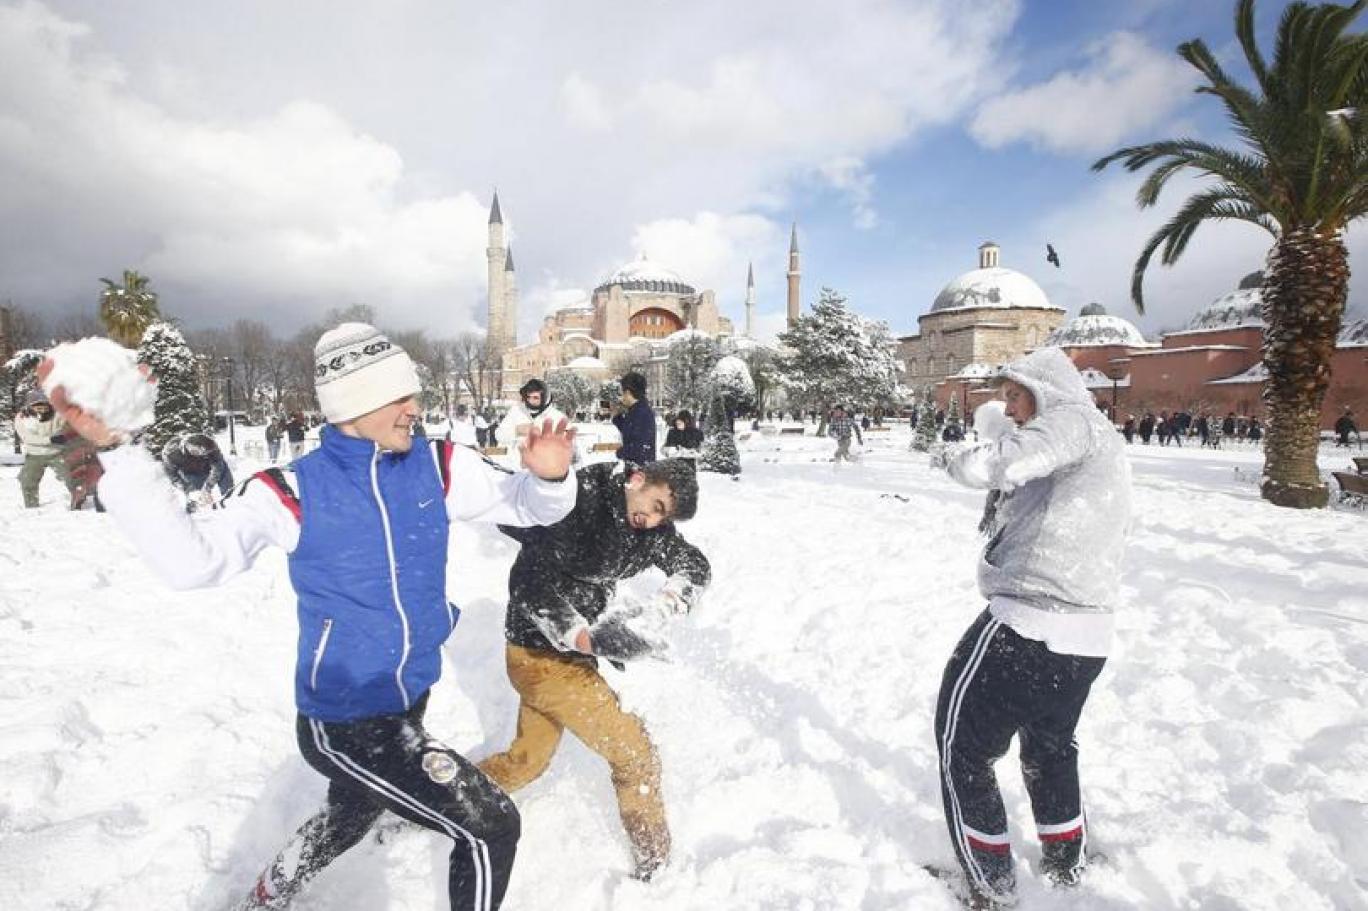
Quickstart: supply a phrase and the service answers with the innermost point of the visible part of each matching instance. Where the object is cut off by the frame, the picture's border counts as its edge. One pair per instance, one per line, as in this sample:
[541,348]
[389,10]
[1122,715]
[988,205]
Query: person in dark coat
[684,435]
[559,623]
[1146,427]
[636,423]
[195,464]
[1228,425]
[1128,428]
[1345,427]
[294,432]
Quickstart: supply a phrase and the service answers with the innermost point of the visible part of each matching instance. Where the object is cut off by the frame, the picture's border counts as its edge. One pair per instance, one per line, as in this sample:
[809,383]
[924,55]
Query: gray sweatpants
[31,475]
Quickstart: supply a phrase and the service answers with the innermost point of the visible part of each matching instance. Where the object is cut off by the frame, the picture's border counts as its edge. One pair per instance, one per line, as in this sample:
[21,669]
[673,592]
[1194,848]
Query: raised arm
[1046,444]
[199,550]
[480,491]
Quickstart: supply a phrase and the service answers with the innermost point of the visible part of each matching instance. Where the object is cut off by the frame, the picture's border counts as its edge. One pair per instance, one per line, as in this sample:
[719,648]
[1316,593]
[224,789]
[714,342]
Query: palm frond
[1244,30]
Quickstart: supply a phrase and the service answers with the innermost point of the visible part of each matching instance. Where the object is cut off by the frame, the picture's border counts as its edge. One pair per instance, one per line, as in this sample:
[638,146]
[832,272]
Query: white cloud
[1126,87]
[275,184]
[849,175]
[713,251]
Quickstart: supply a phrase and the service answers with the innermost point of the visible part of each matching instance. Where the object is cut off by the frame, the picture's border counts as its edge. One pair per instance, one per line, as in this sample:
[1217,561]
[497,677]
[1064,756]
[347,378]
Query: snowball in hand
[103,379]
[991,421]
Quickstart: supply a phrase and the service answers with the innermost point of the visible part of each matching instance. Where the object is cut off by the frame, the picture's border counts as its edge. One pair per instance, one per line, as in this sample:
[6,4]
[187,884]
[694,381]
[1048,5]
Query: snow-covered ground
[147,755]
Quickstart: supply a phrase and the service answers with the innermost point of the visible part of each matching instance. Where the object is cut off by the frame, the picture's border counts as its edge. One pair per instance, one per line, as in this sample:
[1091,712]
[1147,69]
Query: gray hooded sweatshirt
[1051,568]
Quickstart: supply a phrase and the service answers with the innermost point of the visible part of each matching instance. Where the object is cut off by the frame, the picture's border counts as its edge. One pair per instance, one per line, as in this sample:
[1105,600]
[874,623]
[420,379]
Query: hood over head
[1051,377]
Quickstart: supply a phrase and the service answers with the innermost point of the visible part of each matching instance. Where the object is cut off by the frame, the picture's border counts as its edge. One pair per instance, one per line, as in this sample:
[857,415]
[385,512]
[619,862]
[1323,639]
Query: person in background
[684,438]
[1128,429]
[1255,431]
[295,429]
[635,422]
[481,424]
[1345,427]
[83,472]
[275,429]
[195,464]
[462,430]
[40,430]
[841,427]
[1058,507]
[534,406]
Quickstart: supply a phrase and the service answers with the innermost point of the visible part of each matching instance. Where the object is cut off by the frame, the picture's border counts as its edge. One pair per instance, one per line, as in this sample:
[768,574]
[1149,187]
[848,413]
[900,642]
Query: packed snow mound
[103,378]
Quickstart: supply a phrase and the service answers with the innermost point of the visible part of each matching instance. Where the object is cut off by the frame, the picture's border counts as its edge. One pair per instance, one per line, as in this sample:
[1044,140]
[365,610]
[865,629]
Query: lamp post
[1115,378]
[232,435]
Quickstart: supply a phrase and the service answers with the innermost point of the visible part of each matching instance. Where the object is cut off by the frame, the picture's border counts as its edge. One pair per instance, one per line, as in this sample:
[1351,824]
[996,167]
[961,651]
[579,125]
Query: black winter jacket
[565,573]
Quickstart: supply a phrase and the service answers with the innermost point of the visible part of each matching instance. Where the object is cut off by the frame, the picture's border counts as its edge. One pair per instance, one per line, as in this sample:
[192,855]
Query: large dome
[994,286]
[1094,327]
[1243,307]
[644,275]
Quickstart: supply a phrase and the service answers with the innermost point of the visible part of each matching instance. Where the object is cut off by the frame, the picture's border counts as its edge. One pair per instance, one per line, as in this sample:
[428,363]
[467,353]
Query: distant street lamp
[232,435]
[1115,378]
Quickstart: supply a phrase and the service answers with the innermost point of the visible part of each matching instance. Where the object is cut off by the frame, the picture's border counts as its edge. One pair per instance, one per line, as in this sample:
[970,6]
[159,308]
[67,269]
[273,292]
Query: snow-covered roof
[587,363]
[644,275]
[991,287]
[1256,374]
[1354,334]
[1096,379]
[1158,351]
[1094,328]
[976,371]
[1239,308]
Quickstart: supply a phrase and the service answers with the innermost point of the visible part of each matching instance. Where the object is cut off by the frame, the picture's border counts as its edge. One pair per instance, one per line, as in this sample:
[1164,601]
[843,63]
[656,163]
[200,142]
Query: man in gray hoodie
[1059,506]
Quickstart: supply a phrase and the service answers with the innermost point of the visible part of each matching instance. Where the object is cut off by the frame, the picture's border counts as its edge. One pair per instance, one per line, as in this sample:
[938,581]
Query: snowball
[103,378]
[991,421]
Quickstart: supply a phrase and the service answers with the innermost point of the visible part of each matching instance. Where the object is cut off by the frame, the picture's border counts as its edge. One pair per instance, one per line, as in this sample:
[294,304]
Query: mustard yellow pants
[565,691]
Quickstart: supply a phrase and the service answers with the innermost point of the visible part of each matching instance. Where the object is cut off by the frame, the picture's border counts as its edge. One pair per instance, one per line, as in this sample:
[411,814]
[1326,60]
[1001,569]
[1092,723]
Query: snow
[1097,330]
[1242,307]
[103,378]
[147,755]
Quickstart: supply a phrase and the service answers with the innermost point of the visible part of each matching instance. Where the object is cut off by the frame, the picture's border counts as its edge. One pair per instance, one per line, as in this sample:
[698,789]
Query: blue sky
[270,162]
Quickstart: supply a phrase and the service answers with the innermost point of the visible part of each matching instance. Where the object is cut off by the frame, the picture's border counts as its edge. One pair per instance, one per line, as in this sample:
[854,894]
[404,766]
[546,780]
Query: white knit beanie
[357,370]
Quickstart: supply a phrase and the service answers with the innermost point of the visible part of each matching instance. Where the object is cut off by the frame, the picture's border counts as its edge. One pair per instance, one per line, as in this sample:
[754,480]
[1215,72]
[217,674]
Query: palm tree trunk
[1304,293]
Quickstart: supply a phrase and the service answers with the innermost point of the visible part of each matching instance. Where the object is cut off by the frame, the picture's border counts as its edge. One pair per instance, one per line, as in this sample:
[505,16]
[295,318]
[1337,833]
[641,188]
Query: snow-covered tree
[572,392]
[731,380]
[17,378]
[719,452]
[179,408]
[925,437]
[687,374]
[834,355]
[764,370]
[954,427]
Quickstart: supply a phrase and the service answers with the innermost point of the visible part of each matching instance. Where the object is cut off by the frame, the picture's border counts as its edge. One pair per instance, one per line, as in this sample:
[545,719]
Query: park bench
[1353,485]
[254,449]
[794,431]
[495,450]
[604,447]
[878,430]
[1361,464]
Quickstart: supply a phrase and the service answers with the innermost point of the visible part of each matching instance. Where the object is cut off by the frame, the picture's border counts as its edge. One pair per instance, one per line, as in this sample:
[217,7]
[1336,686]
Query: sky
[273,161]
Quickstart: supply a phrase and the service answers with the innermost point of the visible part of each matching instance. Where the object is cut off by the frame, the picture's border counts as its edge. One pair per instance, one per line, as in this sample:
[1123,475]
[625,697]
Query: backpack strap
[274,478]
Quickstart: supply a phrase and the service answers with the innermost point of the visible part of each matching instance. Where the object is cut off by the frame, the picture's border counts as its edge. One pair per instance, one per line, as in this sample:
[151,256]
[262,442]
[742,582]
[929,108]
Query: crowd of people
[368,566]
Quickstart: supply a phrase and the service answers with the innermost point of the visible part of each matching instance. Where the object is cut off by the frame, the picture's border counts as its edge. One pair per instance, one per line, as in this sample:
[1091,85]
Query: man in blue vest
[364,520]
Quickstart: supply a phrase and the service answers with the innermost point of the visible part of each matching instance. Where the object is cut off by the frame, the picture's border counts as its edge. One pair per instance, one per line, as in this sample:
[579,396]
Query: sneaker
[1063,862]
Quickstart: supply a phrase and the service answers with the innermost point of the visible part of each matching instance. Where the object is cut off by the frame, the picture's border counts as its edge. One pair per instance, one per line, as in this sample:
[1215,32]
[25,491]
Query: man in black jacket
[559,620]
[636,423]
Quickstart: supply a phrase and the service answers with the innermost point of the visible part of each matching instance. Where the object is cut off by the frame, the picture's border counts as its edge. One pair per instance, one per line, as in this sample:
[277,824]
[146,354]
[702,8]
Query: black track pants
[996,685]
[391,763]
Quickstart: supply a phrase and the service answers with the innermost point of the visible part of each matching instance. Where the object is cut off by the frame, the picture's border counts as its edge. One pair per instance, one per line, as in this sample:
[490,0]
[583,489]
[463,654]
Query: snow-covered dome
[1094,327]
[993,286]
[1241,307]
[644,275]
[685,334]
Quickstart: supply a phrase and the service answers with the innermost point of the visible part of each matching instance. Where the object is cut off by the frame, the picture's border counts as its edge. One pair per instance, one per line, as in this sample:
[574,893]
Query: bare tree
[249,344]
[477,367]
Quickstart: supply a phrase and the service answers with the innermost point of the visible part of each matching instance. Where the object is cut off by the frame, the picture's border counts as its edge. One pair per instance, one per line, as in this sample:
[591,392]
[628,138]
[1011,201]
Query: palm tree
[128,309]
[1301,173]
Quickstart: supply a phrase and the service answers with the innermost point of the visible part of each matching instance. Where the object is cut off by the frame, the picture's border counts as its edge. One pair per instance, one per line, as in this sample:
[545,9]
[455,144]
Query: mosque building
[628,322]
[992,315]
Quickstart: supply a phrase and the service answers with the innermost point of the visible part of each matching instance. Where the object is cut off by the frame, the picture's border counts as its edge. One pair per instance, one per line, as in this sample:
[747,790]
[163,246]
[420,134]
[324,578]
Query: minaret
[510,302]
[794,274]
[496,329]
[750,300]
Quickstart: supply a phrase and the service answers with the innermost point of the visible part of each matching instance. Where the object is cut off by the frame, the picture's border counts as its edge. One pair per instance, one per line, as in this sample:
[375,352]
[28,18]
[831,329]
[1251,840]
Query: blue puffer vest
[370,573]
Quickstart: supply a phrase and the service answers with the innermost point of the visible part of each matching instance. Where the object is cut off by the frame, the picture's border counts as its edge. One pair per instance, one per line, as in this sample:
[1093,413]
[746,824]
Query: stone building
[984,318]
[627,322]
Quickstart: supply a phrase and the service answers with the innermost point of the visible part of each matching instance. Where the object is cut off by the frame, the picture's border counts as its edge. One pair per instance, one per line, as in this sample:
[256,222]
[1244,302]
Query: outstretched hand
[85,423]
[548,450]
